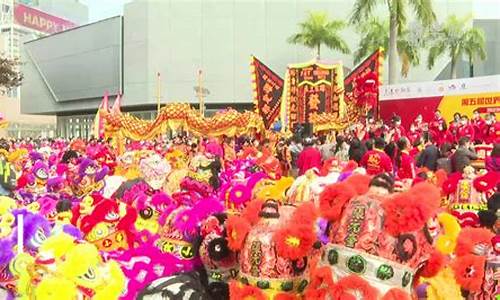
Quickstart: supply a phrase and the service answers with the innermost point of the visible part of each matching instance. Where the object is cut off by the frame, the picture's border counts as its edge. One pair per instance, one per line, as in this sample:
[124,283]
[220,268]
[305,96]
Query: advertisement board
[39,20]
[449,96]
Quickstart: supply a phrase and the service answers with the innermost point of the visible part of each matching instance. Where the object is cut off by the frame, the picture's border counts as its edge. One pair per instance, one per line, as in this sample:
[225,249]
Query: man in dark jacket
[463,155]
[429,156]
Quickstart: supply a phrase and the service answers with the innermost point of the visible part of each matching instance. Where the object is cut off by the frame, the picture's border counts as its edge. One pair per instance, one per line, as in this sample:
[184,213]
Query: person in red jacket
[437,121]
[414,133]
[452,134]
[404,161]
[419,124]
[440,135]
[492,129]
[397,131]
[466,128]
[309,158]
[376,161]
[478,123]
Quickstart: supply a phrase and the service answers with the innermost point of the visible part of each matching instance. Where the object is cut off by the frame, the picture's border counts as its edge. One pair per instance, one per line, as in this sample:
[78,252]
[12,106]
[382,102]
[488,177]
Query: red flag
[361,85]
[267,88]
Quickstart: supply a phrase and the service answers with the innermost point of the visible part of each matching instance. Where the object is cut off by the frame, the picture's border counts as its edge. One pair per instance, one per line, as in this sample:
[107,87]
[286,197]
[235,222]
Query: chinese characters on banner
[313,88]
[268,88]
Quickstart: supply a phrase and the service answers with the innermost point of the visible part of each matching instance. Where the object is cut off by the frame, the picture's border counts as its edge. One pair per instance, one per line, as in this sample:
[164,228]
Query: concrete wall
[177,38]
[70,71]
[491,65]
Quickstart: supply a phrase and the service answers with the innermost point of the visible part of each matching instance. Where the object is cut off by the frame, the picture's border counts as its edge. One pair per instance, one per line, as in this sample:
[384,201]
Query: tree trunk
[393,50]
[471,67]
[318,51]
[453,68]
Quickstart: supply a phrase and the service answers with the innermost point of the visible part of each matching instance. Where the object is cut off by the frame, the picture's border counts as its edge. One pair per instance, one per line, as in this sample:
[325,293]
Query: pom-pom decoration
[470,238]
[434,264]
[240,194]
[294,242]
[409,211]
[469,271]
[396,294]
[252,211]
[237,229]
[352,285]
[321,285]
[333,198]
[359,182]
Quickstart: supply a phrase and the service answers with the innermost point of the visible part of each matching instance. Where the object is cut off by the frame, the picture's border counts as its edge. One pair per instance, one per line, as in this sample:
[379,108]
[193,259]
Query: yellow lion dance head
[65,268]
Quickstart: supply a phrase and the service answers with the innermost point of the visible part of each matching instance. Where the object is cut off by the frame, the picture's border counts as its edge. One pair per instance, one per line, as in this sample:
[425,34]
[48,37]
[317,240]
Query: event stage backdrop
[449,96]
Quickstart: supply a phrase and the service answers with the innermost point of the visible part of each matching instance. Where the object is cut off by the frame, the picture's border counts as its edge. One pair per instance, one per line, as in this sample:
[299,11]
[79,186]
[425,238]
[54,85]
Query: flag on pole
[98,130]
[267,90]
[367,71]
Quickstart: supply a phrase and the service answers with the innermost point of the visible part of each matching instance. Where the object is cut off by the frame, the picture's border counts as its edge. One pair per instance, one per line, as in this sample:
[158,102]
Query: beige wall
[11,109]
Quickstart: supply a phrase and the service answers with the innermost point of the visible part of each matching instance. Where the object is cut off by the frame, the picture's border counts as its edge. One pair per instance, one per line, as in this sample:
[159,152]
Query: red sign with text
[39,20]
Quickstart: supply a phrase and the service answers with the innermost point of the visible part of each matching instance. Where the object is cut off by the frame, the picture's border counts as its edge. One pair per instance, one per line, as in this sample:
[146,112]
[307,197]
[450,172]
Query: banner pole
[158,92]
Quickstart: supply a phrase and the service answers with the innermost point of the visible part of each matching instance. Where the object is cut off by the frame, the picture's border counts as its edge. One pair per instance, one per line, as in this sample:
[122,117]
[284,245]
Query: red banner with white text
[39,20]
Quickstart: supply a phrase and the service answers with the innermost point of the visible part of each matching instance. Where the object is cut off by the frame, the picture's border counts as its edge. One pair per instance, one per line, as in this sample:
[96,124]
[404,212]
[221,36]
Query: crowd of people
[372,212]
[380,147]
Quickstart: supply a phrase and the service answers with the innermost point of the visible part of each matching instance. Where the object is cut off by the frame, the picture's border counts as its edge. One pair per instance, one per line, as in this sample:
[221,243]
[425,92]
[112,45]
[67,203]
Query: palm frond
[374,34]
[318,29]
[474,44]
[397,8]
[435,52]
[424,11]
[362,9]
[335,42]
[455,38]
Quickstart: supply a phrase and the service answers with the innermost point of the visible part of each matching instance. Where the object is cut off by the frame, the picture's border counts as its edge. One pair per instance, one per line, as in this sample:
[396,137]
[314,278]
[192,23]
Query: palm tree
[397,22]
[474,47]
[375,34]
[318,29]
[455,39]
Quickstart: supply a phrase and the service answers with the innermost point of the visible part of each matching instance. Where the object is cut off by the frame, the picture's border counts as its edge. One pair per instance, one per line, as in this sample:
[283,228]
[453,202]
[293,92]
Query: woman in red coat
[452,134]
[404,161]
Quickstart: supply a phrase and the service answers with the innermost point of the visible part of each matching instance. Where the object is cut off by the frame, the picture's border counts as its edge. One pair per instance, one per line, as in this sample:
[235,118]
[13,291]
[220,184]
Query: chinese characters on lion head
[378,240]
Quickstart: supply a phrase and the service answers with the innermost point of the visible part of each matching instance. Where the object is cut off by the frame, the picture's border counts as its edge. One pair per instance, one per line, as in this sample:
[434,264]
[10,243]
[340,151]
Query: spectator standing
[376,161]
[466,129]
[429,156]
[493,160]
[326,148]
[444,161]
[404,161]
[356,150]
[295,149]
[309,158]
[478,124]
